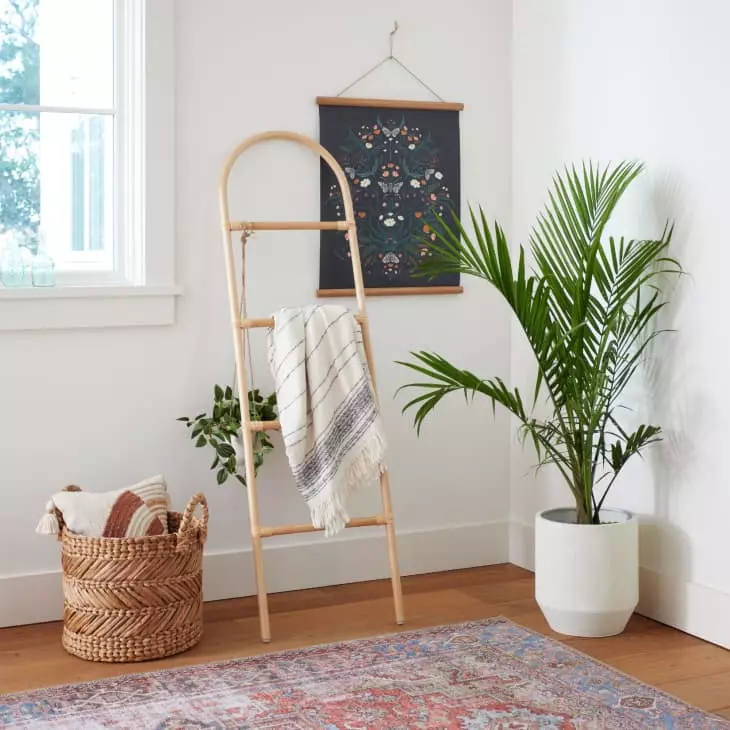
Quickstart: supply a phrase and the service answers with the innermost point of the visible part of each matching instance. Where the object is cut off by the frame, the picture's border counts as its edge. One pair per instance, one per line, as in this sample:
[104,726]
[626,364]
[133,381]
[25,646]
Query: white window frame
[141,290]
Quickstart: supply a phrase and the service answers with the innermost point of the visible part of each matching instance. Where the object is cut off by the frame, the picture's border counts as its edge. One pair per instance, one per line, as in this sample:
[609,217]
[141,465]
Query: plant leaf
[226,450]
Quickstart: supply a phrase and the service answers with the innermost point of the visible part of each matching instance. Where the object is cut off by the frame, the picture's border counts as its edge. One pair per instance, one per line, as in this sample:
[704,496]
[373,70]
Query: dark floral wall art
[402,166]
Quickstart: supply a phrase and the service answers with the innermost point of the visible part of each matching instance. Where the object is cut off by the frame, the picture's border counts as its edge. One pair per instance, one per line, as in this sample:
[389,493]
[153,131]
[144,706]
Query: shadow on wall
[666,548]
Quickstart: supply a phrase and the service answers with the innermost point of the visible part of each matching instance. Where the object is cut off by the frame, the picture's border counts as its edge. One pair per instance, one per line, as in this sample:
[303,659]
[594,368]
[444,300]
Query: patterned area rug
[489,674]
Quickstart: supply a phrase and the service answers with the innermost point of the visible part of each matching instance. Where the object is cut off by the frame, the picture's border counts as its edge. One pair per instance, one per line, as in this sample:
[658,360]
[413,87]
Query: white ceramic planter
[586,576]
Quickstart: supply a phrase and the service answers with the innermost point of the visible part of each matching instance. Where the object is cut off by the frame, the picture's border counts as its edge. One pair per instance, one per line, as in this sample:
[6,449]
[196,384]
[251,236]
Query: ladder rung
[288,226]
[248,323]
[296,529]
[265,426]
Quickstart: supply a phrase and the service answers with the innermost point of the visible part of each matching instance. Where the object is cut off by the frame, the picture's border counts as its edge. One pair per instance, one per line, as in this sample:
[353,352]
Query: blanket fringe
[328,509]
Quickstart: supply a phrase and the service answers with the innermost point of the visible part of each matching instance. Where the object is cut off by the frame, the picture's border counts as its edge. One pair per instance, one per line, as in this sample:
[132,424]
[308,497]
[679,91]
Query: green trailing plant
[219,430]
[587,310]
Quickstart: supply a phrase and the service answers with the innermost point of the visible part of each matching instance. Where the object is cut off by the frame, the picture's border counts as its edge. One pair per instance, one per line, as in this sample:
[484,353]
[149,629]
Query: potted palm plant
[588,311]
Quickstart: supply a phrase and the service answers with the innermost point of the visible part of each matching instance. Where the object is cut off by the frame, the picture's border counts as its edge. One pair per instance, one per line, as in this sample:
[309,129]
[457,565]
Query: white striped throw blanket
[329,418]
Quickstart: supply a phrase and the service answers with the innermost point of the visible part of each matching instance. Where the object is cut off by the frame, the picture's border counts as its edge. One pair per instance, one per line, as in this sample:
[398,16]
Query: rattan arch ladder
[241,323]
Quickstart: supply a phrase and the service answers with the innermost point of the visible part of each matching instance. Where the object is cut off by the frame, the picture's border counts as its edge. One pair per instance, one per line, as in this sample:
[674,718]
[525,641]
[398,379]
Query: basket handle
[185,533]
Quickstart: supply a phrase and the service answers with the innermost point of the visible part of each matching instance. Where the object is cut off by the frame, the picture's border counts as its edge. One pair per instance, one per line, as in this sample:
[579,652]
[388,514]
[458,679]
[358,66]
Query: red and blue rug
[489,674]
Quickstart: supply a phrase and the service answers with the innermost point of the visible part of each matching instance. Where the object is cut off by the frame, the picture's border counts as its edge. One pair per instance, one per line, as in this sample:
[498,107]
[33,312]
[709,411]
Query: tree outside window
[20,183]
[57,126]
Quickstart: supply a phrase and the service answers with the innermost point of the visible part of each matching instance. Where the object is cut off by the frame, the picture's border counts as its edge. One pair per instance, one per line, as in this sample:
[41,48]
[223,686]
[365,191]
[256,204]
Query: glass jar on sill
[12,265]
[43,269]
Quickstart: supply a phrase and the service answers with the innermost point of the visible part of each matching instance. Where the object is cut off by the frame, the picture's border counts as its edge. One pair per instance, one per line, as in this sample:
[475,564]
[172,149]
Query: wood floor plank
[504,591]
[640,638]
[676,664]
[32,656]
[709,692]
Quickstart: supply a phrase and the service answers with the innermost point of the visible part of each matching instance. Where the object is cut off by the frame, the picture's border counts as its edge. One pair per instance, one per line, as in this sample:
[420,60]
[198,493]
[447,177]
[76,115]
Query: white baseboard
[35,598]
[689,607]
[522,545]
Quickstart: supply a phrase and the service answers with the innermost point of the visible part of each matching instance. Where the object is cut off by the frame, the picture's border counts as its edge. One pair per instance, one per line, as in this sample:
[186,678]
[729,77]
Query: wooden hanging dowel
[393,291]
[240,323]
[444,106]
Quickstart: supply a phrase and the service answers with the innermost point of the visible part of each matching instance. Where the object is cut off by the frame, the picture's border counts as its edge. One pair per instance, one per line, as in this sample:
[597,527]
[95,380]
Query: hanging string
[365,75]
[242,315]
[417,78]
[391,57]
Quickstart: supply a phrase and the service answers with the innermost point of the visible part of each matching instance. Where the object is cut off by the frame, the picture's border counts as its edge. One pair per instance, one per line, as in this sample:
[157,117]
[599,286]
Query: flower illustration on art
[398,187]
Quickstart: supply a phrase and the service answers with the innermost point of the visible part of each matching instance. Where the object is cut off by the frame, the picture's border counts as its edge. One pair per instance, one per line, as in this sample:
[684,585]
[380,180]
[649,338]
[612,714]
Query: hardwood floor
[31,656]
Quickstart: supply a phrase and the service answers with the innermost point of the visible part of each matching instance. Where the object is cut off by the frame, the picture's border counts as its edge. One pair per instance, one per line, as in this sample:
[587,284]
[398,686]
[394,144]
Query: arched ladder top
[348,224]
[286,136]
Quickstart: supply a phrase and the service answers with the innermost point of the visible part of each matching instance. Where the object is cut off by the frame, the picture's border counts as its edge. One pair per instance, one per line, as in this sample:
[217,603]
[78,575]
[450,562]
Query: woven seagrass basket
[134,599]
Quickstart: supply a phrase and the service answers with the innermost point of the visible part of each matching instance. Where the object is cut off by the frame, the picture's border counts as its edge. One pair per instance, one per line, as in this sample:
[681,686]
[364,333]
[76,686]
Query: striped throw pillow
[136,511]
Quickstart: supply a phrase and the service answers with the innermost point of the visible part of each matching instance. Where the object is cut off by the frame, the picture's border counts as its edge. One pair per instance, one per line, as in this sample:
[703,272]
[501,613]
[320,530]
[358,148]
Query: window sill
[87,306]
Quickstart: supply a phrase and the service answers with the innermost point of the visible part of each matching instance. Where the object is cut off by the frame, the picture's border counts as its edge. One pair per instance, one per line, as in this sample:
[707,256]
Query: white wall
[98,408]
[645,80]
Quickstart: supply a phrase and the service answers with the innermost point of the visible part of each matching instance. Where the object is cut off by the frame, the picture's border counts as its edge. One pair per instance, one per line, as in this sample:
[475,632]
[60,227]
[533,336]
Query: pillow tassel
[49,522]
